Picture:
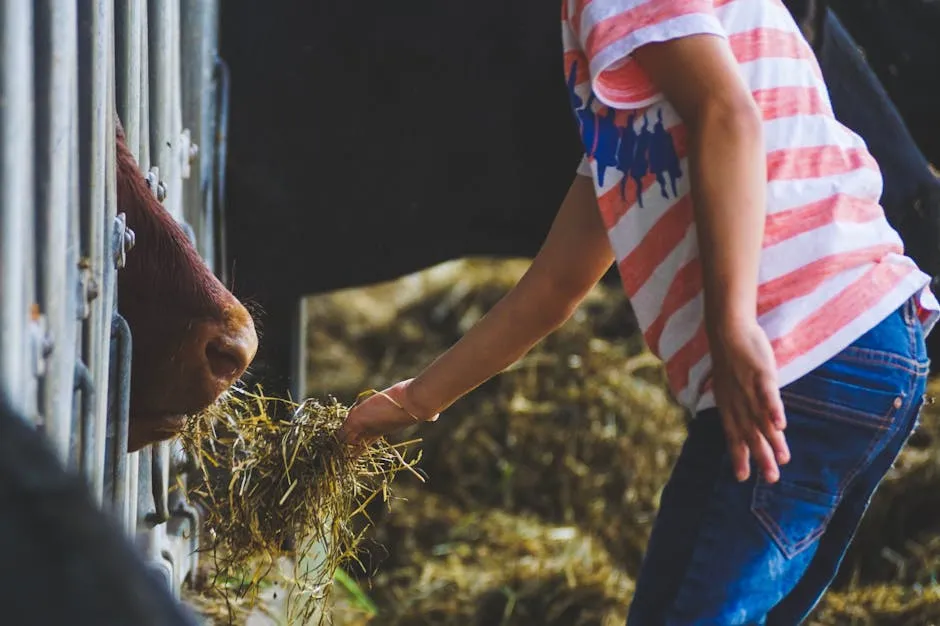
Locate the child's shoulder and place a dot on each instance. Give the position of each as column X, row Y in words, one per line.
column 603, row 35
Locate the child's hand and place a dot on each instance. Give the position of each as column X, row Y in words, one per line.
column 746, row 392
column 379, row 415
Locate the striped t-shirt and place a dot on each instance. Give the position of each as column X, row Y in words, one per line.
column 831, row 267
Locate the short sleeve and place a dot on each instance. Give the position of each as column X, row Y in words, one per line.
column 584, row 167
column 609, row 31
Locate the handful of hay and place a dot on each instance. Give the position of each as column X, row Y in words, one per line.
column 274, row 471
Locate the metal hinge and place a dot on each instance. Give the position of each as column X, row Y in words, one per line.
column 88, row 288
column 123, row 241
column 157, row 186
column 188, row 153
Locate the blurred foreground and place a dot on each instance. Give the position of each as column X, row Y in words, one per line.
column 542, row 485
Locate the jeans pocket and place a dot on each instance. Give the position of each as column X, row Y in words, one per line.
column 839, row 417
column 793, row 516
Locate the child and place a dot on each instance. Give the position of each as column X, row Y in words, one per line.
column 745, row 223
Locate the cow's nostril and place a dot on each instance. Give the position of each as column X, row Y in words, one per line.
column 226, row 360
column 230, row 347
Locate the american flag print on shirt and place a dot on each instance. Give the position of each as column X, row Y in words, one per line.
column 831, row 267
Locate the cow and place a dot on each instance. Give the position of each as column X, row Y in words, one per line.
column 191, row 337
column 381, row 141
column 65, row 560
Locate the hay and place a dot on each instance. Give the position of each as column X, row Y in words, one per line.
column 578, row 438
column 274, row 470
column 881, row 605
column 581, row 431
column 570, row 434
column 490, row 568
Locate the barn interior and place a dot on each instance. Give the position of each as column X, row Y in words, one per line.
column 536, row 494
column 542, row 485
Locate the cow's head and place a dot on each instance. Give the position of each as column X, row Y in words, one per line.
column 191, row 337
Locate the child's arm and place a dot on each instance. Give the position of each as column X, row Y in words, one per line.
column 700, row 77
column 575, row 255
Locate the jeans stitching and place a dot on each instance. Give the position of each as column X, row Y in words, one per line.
column 864, row 419
column 915, row 370
column 791, row 549
column 881, row 358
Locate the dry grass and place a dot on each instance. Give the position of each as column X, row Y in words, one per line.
column 490, row 568
column 274, row 470
column 542, row 485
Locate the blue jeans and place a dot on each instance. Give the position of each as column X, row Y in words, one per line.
column 724, row 552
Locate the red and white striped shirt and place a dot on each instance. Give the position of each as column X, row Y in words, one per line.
column 831, row 267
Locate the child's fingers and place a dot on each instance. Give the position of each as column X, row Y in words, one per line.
column 766, row 417
column 752, row 428
column 778, row 442
column 737, row 447
column 763, row 453
column 770, row 402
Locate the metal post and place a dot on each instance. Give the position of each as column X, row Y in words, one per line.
column 177, row 138
column 215, row 194
column 163, row 40
column 16, row 197
column 199, row 48
column 127, row 63
column 143, row 158
column 57, row 244
column 299, row 350
column 130, row 497
column 130, row 52
column 97, row 206
column 143, row 506
column 163, row 141
column 118, row 411
column 115, row 421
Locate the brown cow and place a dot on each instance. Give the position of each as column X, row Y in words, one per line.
column 191, row 337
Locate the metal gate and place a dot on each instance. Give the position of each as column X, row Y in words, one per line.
column 66, row 69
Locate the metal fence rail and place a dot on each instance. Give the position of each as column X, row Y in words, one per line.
column 16, row 198
column 67, row 69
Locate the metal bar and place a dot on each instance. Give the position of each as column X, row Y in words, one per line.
column 95, row 130
column 115, row 453
column 16, row 196
column 299, row 349
column 183, row 525
column 162, row 142
column 80, row 373
column 135, row 479
column 143, row 158
column 220, row 150
column 130, row 497
column 82, row 448
column 56, row 120
column 178, row 142
column 114, row 239
column 145, row 507
column 163, row 42
column 160, row 476
column 198, row 50
column 119, row 388
column 127, row 16
column 91, row 199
